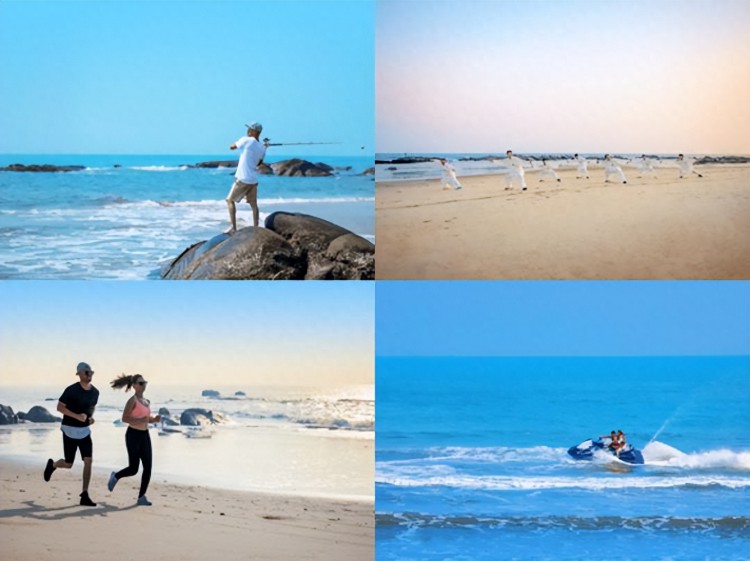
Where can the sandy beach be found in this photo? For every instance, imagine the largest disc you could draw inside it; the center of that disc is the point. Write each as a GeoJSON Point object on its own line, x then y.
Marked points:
{"type": "Point", "coordinates": [651, 228]}
{"type": "Point", "coordinates": [42, 521]}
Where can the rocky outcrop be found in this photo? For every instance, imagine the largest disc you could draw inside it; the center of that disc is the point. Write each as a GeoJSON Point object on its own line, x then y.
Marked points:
{"type": "Point", "coordinates": [329, 251]}
{"type": "Point", "coordinates": [41, 168]}
{"type": "Point", "coordinates": [291, 246]}
{"type": "Point", "coordinates": [196, 417]}
{"type": "Point", "coordinates": [723, 160]}
{"type": "Point", "coordinates": [300, 168]}
{"type": "Point", "coordinates": [217, 164]}
{"type": "Point", "coordinates": [406, 160]}
{"type": "Point", "coordinates": [210, 393]}
{"type": "Point", "coordinates": [240, 393]}
{"type": "Point", "coordinates": [369, 171]}
{"type": "Point", "coordinates": [39, 414]}
{"type": "Point", "coordinates": [7, 416]}
{"type": "Point", "coordinates": [249, 253]}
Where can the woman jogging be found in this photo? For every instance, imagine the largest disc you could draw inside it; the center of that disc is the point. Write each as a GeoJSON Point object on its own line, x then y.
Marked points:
{"type": "Point", "coordinates": [137, 414]}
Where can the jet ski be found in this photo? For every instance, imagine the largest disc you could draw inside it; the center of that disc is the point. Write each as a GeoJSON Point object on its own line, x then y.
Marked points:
{"type": "Point", "coordinates": [586, 450]}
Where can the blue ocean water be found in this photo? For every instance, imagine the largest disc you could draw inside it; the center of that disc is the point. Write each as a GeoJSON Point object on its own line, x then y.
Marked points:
{"type": "Point", "coordinates": [471, 458]}
{"type": "Point", "coordinates": [108, 222]}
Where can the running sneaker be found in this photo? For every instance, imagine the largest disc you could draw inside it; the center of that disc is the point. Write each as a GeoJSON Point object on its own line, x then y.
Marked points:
{"type": "Point", "coordinates": [143, 501]}
{"type": "Point", "coordinates": [85, 500]}
{"type": "Point", "coordinates": [112, 482]}
{"type": "Point", "coordinates": [49, 469]}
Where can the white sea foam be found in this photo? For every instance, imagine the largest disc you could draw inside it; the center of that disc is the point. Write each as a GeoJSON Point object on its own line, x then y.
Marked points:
{"type": "Point", "coordinates": [515, 483]}
{"type": "Point", "coordinates": [160, 168]}
{"type": "Point", "coordinates": [660, 454]}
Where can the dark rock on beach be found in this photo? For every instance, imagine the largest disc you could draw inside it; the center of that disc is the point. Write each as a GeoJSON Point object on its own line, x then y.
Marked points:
{"type": "Point", "coordinates": [292, 246]}
{"type": "Point", "coordinates": [41, 168]}
{"type": "Point", "coordinates": [196, 417]}
{"type": "Point", "coordinates": [7, 416]}
{"type": "Point", "coordinates": [210, 393]}
{"type": "Point", "coordinates": [39, 414]}
{"type": "Point", "coordinates": [723, 160]}
{"type": "Point", "coordinates": [240, 393]}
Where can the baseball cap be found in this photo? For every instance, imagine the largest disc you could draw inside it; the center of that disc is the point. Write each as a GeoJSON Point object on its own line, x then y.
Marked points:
{"type": "Point", "coordinates": [83, 366]}
{"type": "Point", "coordinates": [255, 126]}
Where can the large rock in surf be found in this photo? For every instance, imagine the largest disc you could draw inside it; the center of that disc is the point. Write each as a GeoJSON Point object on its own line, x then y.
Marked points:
{"type": "Point", "coordinates": [7, 416]}
{"type": "Point", "coordinates": [291, 246]}
{"type": "Point", "coordinates": [41, 168]}
{"type": "Point", "coordinates": [249, 253]}
{"type": "Point", "coordinates": [210, 393]}
{"type": "Point", "coordinates": [217, 164]}
{"type": "Point", "coordinates": [196, 417]}
{"type": "Point", "coordinates": [330, 251]}
{"type": "Point", "coordinates": [300, 168]}
{"type": "Point", "coordinates": [39, 414]}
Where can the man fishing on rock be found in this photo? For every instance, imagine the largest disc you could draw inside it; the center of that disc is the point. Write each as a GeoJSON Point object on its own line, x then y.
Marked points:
{"type": "Point", "coordinates": [245, 183]}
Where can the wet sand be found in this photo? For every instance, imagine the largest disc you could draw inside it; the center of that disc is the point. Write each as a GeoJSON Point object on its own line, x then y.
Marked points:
{"type": "Point", "coordinates": [42, 521]}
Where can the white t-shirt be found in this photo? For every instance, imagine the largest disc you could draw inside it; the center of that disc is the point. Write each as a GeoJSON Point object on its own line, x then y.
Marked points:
{"type": "Point", "coordinates": [251, 153]}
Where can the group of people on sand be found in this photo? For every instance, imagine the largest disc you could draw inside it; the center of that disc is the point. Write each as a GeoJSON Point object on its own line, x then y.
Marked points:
{"type": "Point", "coordinates": [612, 169]}
{"type": "Point", "coordinates": [617, 441]}
{"type": "Point", "coordinates": [77, 404]}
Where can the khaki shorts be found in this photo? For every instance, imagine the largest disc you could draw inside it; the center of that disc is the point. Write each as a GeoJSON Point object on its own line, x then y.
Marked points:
{"type": "Point", "coordinates": [241, 191]}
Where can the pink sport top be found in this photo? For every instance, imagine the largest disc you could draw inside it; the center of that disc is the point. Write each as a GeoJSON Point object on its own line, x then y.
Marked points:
{"type": "Point", "coordinates": [140, 410]}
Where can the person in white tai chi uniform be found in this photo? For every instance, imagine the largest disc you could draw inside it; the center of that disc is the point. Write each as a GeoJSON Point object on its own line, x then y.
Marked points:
{"type": "Point", "coordinates": [686, 166]}
{"type": "Point", "coordinates": [449, 175]}
{"type": "Point", "coordinates": [611, 167]}
{"type": "Point", "coordinates": [548, 171]}
{"type": "Point", "coordinates": [645, 166]}
{"type": "Point", "coordinates": [582, 167]}
{"type": "Point", "coordinates": [516, 171]}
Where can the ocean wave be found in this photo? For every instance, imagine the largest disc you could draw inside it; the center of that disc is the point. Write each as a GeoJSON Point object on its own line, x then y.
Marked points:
{"type": "Point", "coordinates": [659, 454]}
{"type": "Point", "coordinates": [525, 483]}
{"type": "Point", "coordinates": [121, 203]}
{"type": "Point", "coordinates": [727, 526]}
{"type": "Point", "coordinates": [160, 168]}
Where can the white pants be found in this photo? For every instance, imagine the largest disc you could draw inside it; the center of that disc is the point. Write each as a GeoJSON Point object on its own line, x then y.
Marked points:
{"type": "Point", "coordinates": [515, 174]}
{"type": "Point", "coordinates": [617, 172]}
{"type": "Point", "coordinates": [450, 179]}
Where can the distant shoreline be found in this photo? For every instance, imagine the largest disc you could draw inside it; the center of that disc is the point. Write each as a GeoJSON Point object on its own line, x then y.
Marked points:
{"type": "Point", "coordinates": [409, 158]}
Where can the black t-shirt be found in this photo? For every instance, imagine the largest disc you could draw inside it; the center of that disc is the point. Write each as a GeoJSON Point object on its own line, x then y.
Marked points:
{"type": "Point", "coordinates": [78, 400]}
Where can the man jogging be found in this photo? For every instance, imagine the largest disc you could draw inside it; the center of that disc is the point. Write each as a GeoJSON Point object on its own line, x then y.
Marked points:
{"type": "Point", "coordinates": [77, 404]}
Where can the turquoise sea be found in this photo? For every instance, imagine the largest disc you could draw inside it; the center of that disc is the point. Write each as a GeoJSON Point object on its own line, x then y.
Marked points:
{"type": "Point", "coordinates": [107, 222]}
{"type": "Point", "coordinates": [472, 463]}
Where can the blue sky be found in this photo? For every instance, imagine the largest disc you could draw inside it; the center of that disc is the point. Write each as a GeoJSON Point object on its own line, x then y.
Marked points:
{"type": "Point", "coordinates": [287, 333]}
{"type": "Point", "coordinates": [183, 77]}
{"type": "Point", "coordinates": [566, 318]}
{"type": "Point", "coordinates": [563, 76]}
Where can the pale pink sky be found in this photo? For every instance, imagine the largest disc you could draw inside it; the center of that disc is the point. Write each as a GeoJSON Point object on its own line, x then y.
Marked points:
{"type": "Point", "coordinates": [567, 76]}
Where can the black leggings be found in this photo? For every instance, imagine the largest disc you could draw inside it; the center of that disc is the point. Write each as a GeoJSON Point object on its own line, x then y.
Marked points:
{"type": "Point", "coordinates": [138, 443]}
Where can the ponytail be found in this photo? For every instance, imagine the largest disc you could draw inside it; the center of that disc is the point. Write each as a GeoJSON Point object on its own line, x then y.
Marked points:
{"type": "Point", "coordinates": [124, 380]}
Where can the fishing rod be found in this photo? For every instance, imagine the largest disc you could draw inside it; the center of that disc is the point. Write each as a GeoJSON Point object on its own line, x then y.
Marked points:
{"type": "Point", "coordinates": [267, 142]}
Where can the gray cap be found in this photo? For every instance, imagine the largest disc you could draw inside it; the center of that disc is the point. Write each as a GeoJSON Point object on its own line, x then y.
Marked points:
{"type": "Point", "coordinates": [255, 126]}
{"type": "Point", "coordinates": [83, 367]}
